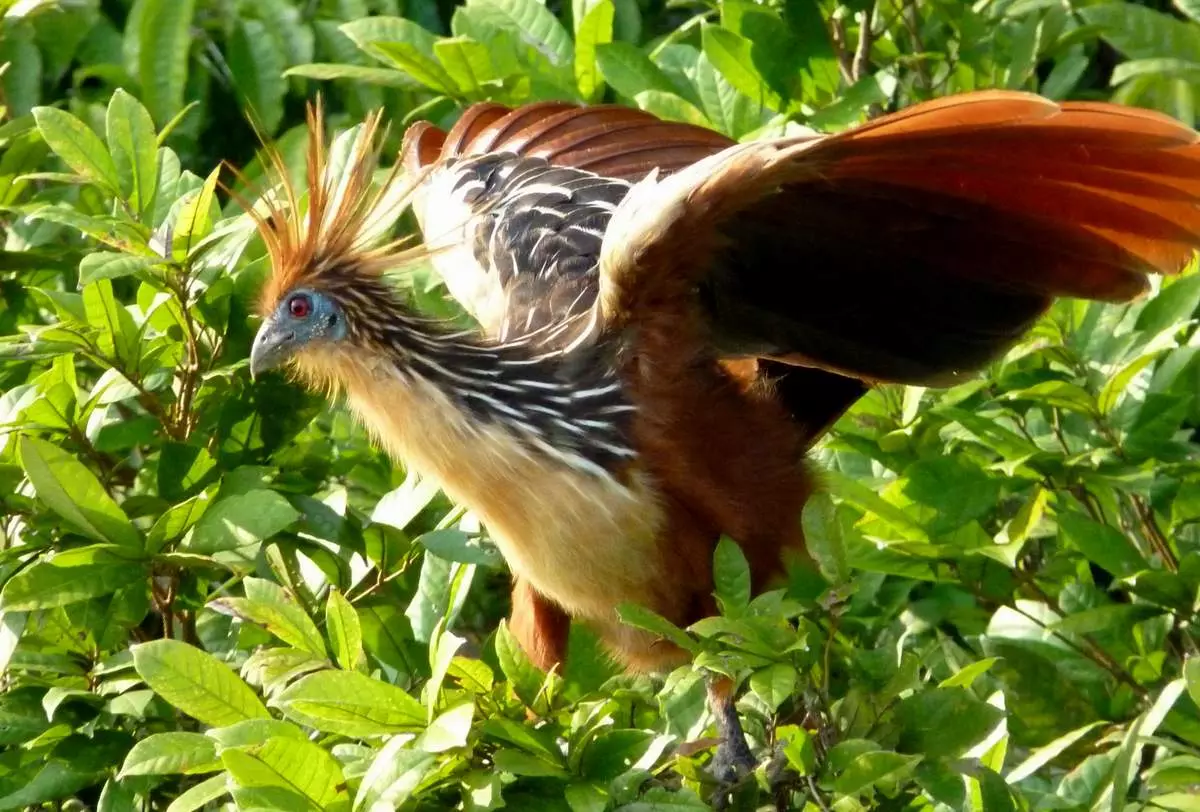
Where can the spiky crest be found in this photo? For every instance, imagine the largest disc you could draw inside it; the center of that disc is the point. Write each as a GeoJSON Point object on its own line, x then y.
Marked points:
{"type": "Point", "coordinates": [337, 240]}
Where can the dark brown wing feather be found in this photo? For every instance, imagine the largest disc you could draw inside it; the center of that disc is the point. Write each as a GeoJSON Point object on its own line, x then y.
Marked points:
{"type": "Point", "coordinates": [922, 245]}
{"type": "Point", "coordinates": [609, 140]}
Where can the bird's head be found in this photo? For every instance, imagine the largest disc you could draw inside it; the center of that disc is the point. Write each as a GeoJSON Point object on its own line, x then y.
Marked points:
{"type": "Point", "coordinates": [304, 318]}
{"type": "Point", "coordinates": [328, 246]}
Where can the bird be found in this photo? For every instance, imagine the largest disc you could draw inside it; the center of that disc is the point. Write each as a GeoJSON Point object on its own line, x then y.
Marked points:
{"type": "Point", "coordinates": [665, 320]}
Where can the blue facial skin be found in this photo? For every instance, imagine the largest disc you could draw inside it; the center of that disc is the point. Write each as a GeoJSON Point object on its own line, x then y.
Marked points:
{"type": "Point", "coordinates": [303, 316]}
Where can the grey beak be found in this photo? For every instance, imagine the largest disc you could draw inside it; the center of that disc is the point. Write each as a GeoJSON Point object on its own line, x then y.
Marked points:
{"type": "Point", "coordinates": [272, 346]}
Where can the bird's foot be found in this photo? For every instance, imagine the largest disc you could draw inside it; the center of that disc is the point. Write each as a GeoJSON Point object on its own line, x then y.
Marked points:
{"type": "Point", "coordinates": [732, 761]}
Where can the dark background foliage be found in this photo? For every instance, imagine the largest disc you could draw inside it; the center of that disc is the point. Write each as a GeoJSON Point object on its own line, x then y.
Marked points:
{"type": "Point", "coordinates": [217, 594]}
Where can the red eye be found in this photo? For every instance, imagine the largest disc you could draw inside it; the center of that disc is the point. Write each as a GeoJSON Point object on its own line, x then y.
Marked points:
{"type": "Point", "coordinates": [300, 306]}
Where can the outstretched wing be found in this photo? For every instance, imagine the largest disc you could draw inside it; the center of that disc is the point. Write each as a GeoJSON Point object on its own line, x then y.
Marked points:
{"type": "Point", "coordinates": [516, 202]}
{"type": "Point", "coordinates": [916, 247]}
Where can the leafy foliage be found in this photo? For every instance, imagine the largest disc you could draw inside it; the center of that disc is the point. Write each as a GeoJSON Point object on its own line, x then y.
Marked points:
{"type": "Point", "coordinates": [217, 593]}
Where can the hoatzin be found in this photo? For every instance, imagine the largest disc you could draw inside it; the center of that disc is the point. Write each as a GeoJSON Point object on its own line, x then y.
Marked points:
{"type": "Point", "coordinates": [668, 319]}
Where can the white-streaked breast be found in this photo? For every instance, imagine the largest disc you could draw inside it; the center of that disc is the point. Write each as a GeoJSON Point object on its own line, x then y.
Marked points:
{"type": "Point", "coordinates": [585, 540]}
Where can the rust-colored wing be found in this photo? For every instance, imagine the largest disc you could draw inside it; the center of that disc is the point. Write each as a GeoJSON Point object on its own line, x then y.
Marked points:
{"type": "Point", "coordinates": [916, 247]}
{"type": "Point", "coordinates": [513, 204]}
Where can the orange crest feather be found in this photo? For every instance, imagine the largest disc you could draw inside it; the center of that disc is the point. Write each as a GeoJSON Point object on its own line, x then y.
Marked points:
{"type": "Point", "coordinates": [346, 215]}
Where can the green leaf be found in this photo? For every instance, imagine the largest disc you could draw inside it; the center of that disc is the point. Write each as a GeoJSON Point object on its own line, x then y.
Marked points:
{"type": "Point", "coordinates": [170, 753]}
{"type": "Point", "coordinates": [345, 632]}
{"type": "Point", "coordinates": [164, 37]}
{"type": "Point", "coordinates": [613, 753]}
{"type": "Point", "coordinates": [175, 521]}
{"type": "Point", "coordinates": [535, 24]}
{"type": "Point", "coordinates": [197, 214]}
{"type": "Point", "coordinates": [731, 578]}
{"type": "Point", "coordinates": [455, 545]}
{"type": "Point", "coordinates": [270, 606]}
{"type": "Point", "coordinates": [425, 69]}
{"type": "Point", "coordinates": [199, 795]}
{"type": "Point", "coordinates": [1103, 545]}
{"type": "Point", "coordinates": [774, 684]}
{"type": "Point", "coordinates": [670, 107]}
{"type": "Point", "coordinates": [111, 265]}
{"type": "Point", "coordinates": [730, 54]}
{"type": "Point", "coordinates": [1044, 755]}
{"type": "Point", "coordinates": [257, 62]}
{"type": "Point", "coordinates": [71, 576]}
{"type": "Point", "coordinates": [240, 521]}
{"type": "Point", "coordinates": [78, 146]}
{"type": "Point", "coordinates": [394, 775]}
{"type": "Point", "coordinates": [596, 29]}
{"type": "Point", "coordinates": [629, 71]}
{"type": "Point", "coordinates": [523, 676]}
{"type": "Point", "coordinates": [872, 769]}
{"type": "Point", "coordinates": [468, 63]}
{"type": "Point", "coordinates": [196, 683]}
{"type": "Point", "coordinates": [294, 764]}
{"type": "Point", "coordinates": [350, 704]}
{"type": "Point", "coordinates": [327, 71]}
{"type": "Point", "coordinates": [71, 491]}
{"type": "Point", "coordinates": [944, 722]}
{"type": "Point", "coordinates": [823, 537]}
{"type": "Point", "coordinates": [129, 130]}
{"type": "Point", "coordinates": [449, 730]}
{"type": "Point", "coordinates": [642, 618]}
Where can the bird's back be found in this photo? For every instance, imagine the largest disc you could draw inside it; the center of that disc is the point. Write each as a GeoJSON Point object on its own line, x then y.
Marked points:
{"type": "Point", "coordinates": [517, 239]}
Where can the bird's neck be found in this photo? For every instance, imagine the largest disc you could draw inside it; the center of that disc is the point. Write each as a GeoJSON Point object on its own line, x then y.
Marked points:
{"type": "Point", "coordinates": [565, 401]}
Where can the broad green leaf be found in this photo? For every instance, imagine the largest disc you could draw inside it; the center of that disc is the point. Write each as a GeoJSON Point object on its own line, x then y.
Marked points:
{"type": "Point", "coordinates": [594, 30]}
{"type": "Point", "coordinates": [294, 764]}
{"type": "Point", "coordinates": [78, 146]}
{"type": "Point", "coordinates": [629, 71]}
{"type": "Point", "coordinates": [240, 521]}
{"type": "Point", "coordinates": [350, 704]}
{"type": "Point", "coordinates": [534, 23]}
{"type": "Point", "coordinates": [425, 69]}
{"type": "Point", "coordinates": [345, 632]}
{"type": "Point", "coordinates": [670, 107]}
{"type": "Point", "coordinates": [823, 537]}
{"type": "Point", "coordinates": [199, 795]}
{"type": "Point", "coordinates": [176, 520]}
{"type": "Point", "coordinates": [871, 769]}
{"type": "Point", "coordinates": [71, 576]}
{"type": "Point", "coordinates": [730, 54]}
{"type": "Point", "coordinates": [170, 753]}
{"type": "Point", "coordinates": [384, 77]}
{"type": "Point", "coordinates": [448, 730]}
{"type": "Point", "coordinates": [254, 732]}
{"type": "Point", "coordinates": [164, 36]}
{"type": "Point", "coordinates": [71, 491]}
{"type": "Point", "coordinates": [394, 775]}
{"type": "Point", "coordinates": [110, 265]}
{"type": "Point", "coordinates": [1102, 544]}
{"type": "Point", "coordinates": [469, 64]}
{"type": "Point", "coordinates": [613, 753]}
{"type": "Point", "coordinates": [270, 606]}
{"type": "Point", "coordinates": [523, 676]}
{"type": "Point", "coordinates": [642, 618]}
{"type": "Point", "coordinates": [1044, 755]}
{"type": "Point", "coordinates": [257, 62]}
{"type": "Point", "coordinates": [774, 684]}
{"type": "Point", "coordinates": [196, 683]}
{"type": "Point", "coordinates": [129, 130]}
{"type": "Point", "coordinates": [731, 578]}
{"type": "Point", "coordinates": [944, 722]}
{"type": "Point", "coordinates": [455, 545]}
{"type": "Point", "coordinates": [197, 215]}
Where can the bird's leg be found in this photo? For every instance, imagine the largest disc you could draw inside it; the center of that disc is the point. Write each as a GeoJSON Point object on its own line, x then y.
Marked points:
{"type": "Point", "coordinates": [540, 626]}
{"type": "Point", "coordinates": [733, 758]}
